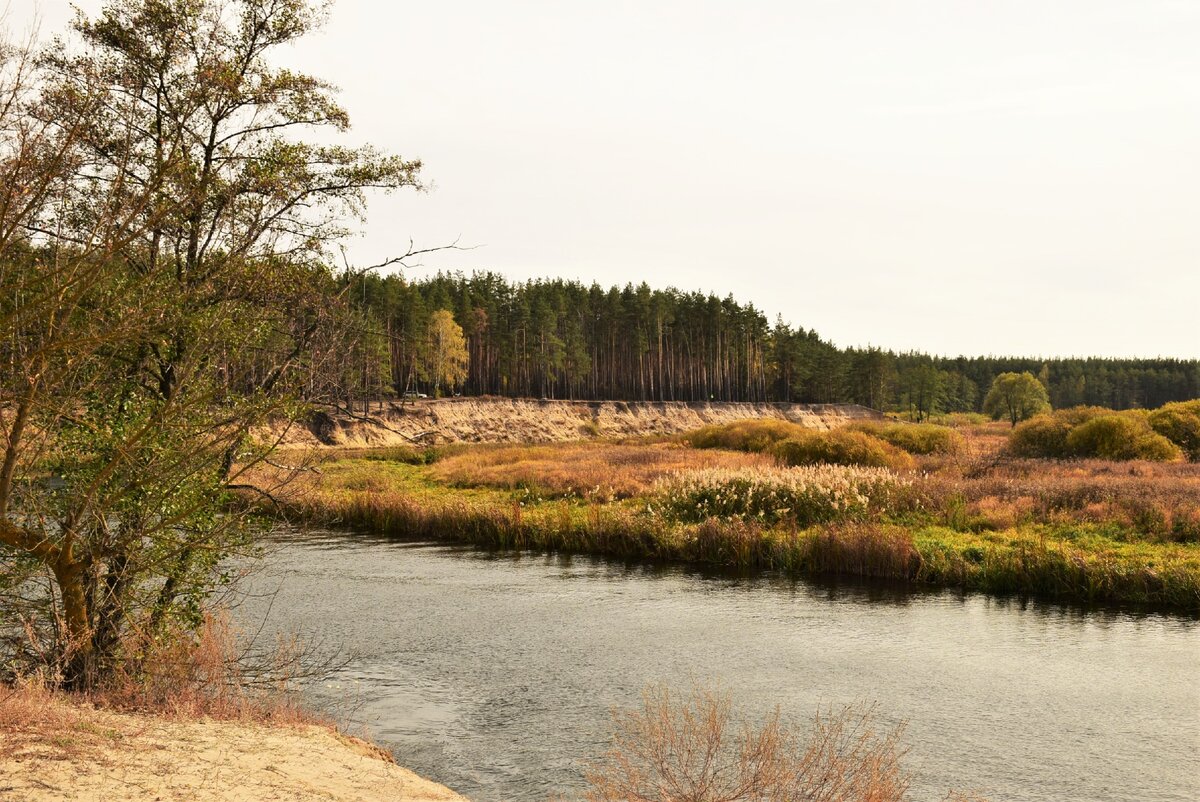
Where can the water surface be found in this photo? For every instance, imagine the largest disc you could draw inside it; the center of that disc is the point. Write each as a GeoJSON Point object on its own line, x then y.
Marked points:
{"type": "Point", "coordinates": [495, 674]}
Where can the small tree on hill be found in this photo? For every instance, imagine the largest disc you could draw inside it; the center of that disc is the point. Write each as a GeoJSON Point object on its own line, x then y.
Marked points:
{"type": "Point", "coordinates": [1016, 396]}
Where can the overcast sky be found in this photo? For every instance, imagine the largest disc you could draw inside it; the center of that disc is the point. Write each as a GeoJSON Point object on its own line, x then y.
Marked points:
{"type": "Point", "coordinates": [954, 177]}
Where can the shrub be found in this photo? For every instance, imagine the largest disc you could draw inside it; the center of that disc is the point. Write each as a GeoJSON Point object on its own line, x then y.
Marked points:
{"type": "Point", "coordinates": [840, 447]}
{"type": "Point", "coordinates": [806, 495]}
{"type": "Point", "coordinates": [692, 747]}
{"type": "Point", "coordinates": [1073, 416]}
{"type": "Point", "coordinates": [1179, 422]}
{"type": "Point", "coordinates": [915, 438]}
{"type": "Point", "coordinates": [1121, 437]}
{"type": "Point", "coordinates": [744, 435]}
{"type": "Point", "coordinates": [1043, 436]}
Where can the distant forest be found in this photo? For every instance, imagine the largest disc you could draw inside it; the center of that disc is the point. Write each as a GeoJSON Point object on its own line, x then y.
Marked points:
{"type": "Point", "coordinates": [566, 340]}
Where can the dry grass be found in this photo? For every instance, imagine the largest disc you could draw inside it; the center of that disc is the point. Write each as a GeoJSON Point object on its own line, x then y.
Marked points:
{"type": "Point", "coordinates": [208, 673]}
{"type": "Point", "coordinates": [1158, 501]}
{"type": "Point", "coordinates": [594, 471]}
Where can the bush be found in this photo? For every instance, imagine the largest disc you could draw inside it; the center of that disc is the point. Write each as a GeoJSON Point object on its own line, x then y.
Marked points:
{"type": "Point", "coordinates": [840, 447]}
{"type": "Point", "coordinates": [1121, 437]}
{"type": "Point", "coordinates": [744, 435]}
{"type": "Point", "coordinates": [1073, 416]}
{"type": "Point", "coordinates": [805, 496]}
{"type": "Point", "coordinates": [692, 747]}
{"type": "Point", "coordinates": [1179, 422]}
{"type": "Point", "coordinates": [1044, 436]}
{"type": "Point", "coordinates": [915, 438]}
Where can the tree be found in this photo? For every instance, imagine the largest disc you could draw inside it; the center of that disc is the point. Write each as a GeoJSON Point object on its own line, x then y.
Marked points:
{"type": "Point", "coordinates": [163, 276]}
{"type": "Point", "coordinates": [924, 390]}
{"type": "Point", "coordinates": [1016, 396]}
{"type": "Point", "coordinates": [446, 354]}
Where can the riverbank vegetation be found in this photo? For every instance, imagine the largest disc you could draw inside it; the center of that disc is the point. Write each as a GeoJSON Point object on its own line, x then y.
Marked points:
{"type": "Point", "coordinates": [967, 515]}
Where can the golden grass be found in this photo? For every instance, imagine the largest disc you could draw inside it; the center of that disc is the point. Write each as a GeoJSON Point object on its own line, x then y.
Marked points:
{"type": "Point", "coordinates": [595, 471]}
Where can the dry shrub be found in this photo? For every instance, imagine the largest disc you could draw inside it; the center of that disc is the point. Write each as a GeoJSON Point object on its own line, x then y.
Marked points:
{"type": "Point", "coordinates": [599, 471]}
{"type": "Point", "coordinates": [693, 749]}
{"type": "Point", "coordinates": [841, 447]}
{"type": "Point", "coordinates": [211, 673]}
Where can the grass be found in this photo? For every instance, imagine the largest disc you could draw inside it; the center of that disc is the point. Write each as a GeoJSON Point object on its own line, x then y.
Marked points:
{"type": "Point", "coordinates": [1090, 531]}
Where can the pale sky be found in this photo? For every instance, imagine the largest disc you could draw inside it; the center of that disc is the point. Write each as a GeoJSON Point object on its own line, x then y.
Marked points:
{"type": "Point", "coordinates": [955, 177]}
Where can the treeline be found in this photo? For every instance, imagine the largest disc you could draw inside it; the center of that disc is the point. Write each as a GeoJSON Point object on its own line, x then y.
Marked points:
{"type": "Point", "coordinates": [564, 339]}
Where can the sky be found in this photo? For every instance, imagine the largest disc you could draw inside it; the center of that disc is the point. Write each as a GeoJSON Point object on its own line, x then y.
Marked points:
{"type": "Point", "coordinates": [951, 177]}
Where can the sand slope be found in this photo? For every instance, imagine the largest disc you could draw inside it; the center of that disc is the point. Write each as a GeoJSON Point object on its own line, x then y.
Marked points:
{"type": "Point", "coordinates": [522, 420]}
{"type": "Point", "coordinates": [102, 756]}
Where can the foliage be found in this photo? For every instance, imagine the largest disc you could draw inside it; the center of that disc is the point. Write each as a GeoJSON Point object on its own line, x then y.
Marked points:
{"type": "Point", "coordinates": [1094, 432]}
{"type": "Point", "coordinates": [1120, 437]}
{"type": "Point", "coordinates": [841, 447]}
{"type": "Point", "coordinates": [1017, 397]}
{"type": "Point", "coordinates": [1041, 436]}
{"type": "Point", "coordinates": [1179, 422]}
{"type": "Point", "coordinates": [803, 495]}
{"type": "Point", "coordinates": [915, 438]}
{"type": "Point", "coordinates": [162, 281]}
{"type": "Point", "coordinates": [753, 434]}
{"type": "Point", "coordinates": [446, 355]}
{"type": "Point", "coordinates": [564, 339]}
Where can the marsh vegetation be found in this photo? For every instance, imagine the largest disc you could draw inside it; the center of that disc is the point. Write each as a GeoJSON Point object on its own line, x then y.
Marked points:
{"type": "Point", "coordinates": [958, 509]}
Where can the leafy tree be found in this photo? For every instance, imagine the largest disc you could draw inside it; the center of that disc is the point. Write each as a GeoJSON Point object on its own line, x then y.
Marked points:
{"type": "Point", "coordinates": [446, 357]}
{"type": "Point", "coordinates": [924, 390]}
{"type": "Point", "coordinates": [1016, 396]}
{"type": "Point", "coordinates": [162, 275]}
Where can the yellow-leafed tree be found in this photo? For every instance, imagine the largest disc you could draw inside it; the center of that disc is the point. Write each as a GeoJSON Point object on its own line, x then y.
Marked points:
{"type": "Point", "coordinates": [446, 355]}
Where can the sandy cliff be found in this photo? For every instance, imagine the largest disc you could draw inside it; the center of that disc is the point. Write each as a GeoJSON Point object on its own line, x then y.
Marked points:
{"type": "Point", "coordinates": [506, 420]}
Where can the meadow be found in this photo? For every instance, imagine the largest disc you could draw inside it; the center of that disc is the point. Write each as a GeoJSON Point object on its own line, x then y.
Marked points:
{"type": "Point", "coordinates": [931, 505]}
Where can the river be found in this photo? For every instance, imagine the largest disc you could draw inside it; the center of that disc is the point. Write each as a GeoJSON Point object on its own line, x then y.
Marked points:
{"type": "Point", "coordinates": [495, 674]}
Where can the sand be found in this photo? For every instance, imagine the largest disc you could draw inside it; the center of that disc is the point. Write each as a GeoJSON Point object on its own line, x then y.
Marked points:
{"type": "Point", "coordinates": [101, 756]}
{"type": "Point", "coordinates": [519, 420]}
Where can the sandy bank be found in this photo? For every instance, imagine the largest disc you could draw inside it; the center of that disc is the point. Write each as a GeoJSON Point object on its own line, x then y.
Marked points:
{"type": "Point", "coordinates": [61, 751]}
{"type": "Point", "coordinates": [520, 420]}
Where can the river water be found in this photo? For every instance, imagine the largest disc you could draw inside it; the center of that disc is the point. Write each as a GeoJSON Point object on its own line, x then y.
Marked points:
{"type": "Point", "coordinates": [495, 674]}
